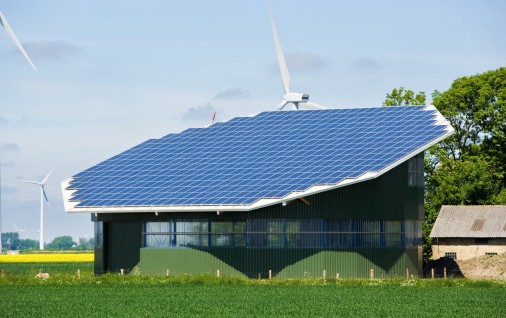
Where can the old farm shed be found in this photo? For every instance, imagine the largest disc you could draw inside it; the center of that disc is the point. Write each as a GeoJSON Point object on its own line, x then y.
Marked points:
{"type": "Point", "coordinates": [464, 232]}
{"type": "Point", "coordinates": [295, 192]}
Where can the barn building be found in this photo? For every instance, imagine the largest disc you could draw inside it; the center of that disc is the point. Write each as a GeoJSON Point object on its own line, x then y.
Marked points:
{"type": "Point", "coordinates": [464, 232]}
{"type": "Point", "coordinates": [294, 192]}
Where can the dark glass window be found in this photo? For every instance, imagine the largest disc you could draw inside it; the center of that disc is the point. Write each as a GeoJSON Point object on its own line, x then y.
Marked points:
{"type": "Point", "coordinates": [283, 233]}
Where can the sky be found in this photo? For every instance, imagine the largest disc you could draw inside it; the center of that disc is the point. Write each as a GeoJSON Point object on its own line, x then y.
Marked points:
{"type": "Point", "coordinates": [112, 74]}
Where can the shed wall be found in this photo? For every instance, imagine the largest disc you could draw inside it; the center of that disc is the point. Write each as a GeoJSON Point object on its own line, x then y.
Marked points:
{"type": "Point", "coordinates": [467, 248]}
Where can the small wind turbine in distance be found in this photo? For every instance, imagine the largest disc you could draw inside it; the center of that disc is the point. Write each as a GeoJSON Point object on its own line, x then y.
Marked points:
{"type": "Point", "coordinates": [11, 34]}
{"type": "Point", "coordinates": [18, 230]}
{"type": "Point", "coordinates": [42, 197]}
{"type": "Point", "coordinates": [290, 97]}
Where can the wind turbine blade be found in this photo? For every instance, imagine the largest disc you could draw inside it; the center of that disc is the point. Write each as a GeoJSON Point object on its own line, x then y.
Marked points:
{"type": "Point", "coordinates": [309, 105]}
{"type": "Point", "coordinates": [14, 39]}
{"type": "Point", "coordinates": [283, 69]}
{"type": "Point", "coordinates": [31, 182]}
{"type": "Point", "coordinates": [45, 195]}
{"type": "Point", "coordinates": [47, 176]}
{"type": "Point", "coordinates": [282, 104]}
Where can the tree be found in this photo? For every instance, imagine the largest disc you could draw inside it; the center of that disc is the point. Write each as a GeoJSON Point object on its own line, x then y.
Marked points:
{"type": "Point", "coordinates": [85, 244]}
{"type": "Point", "coordinates": [10, 240]}
{"type": "Point", "coordinates": [469, 166]}
{"type": "Point", "coordinates": [27, 244]}
{"type": "Point", "coordinates": [476, 108]}
{"type": "Point", "coordinates": [403, 97]}
{"type": "Point", "coordinates": [61, 243]}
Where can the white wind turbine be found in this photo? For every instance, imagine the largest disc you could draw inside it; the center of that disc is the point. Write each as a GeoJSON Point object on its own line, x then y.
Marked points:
{"type": "Point", "coordinates": [14, 39]}
{"type": "Point", "coordinates": [42, 197]}
{"type": "Point", "coordinates": [18, 230]}
{"type": "Point", "coordinates": [290, 97]}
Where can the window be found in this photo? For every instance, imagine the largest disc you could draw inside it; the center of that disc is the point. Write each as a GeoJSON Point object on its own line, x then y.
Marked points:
{"type": "Point", "coordinates": [477, 225]}
{"type": "Point", "coordinates": [282, 233]}
{"type": "Point", "coordinates": [230, 234]}
{"type": "Point", "coordinates": [451, 255]}
{"type": "Point", "coordinates": [415, 172]}
{"type": "Point", "coordinates": [490, 253]}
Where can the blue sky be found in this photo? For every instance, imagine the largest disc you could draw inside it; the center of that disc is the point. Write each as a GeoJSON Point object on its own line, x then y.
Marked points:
{"type": "Point", "coordinates": [112, 74]}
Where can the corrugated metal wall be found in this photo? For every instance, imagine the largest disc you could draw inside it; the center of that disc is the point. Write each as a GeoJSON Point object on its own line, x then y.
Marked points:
{"type": "Point", "coordinates": [386, 198]}
{"type": "Point", "coordinates": [283, 262]}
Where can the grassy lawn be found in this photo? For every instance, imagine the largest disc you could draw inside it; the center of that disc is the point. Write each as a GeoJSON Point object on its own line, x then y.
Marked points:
{"type": "Point", "coordinates": [63, 295]}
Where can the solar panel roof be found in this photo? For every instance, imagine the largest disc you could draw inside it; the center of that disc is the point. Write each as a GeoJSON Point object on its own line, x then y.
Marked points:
{"type": "Point", "coordinates": [270, 156]}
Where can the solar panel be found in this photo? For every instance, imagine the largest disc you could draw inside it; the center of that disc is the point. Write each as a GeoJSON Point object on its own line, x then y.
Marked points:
{"type": "Point", "coordinates": [269, 155]}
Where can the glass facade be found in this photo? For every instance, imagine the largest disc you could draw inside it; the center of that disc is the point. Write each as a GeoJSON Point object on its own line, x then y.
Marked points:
{"type": "Point", "coordinates": [283, 233]}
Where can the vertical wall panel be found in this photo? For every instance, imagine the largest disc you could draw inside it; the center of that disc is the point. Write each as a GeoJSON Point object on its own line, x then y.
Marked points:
{"type": "Point", "coordinates": [123, 245]}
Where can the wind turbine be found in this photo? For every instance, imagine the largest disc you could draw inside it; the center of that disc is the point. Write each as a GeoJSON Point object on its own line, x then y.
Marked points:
{"type": "Point", "coordinates": [289, 97]}
{"type": "Point", "coordinates": [14, 39]}
{"type": "Point", "coordinates": [18, 230]}
{"type": "Point", "coordinates": [42, 197]}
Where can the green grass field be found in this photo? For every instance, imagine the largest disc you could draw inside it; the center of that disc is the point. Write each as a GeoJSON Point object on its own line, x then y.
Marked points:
{"type": "Point", "coordinates": [63, 295]}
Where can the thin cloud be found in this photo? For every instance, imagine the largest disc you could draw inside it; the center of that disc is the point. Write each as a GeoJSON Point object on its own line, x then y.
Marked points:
{"type": "Point", "coordinates": [232, 94]}
{"type": "Point", "coordinates": [52, 50]}
{"type": "Point", "coordinates": [305, 62]}
{"type": "Point", "coordinates": [199, 113]}
{"type": "Point", "coordinates": [367, 64]}
{"type": "Point", "coordinates": [3, 120]}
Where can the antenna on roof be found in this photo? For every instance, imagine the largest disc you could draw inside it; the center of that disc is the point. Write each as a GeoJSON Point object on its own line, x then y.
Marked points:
{"type": "Point", "coordinates": [289, 97]}
{"type": "Point", "coordinates": [14, 39]}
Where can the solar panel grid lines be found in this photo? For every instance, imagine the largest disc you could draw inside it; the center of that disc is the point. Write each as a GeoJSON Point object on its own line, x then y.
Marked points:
{"type": "Point", "coordinates": [266, 156]}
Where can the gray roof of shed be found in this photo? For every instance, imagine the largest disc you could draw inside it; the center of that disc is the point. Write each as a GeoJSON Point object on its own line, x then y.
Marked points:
{"type": "Point", "coordinates": [470, 221]}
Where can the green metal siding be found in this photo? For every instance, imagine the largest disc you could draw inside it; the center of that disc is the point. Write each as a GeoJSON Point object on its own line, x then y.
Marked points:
{"type": "Point", "coordinates": [100, 265]}
{"type": "Point", "coordinates": [385, 198]}
{"type": "Point", "coordinates": [283, 262]}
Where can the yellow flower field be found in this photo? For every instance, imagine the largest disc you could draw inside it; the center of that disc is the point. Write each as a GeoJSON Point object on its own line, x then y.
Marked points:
{"type": "Point", "coordinates": [46, 258]}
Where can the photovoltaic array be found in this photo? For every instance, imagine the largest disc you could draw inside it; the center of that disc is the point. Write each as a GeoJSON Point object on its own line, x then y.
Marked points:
{"type": "Point", "coordinates": [269, 155]}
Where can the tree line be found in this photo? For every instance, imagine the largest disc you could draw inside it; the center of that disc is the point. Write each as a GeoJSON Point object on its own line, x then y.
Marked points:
{"type": "Point", "coordinates": [469, 167]}
{"type": "Point", "coordinates": [12, 241]}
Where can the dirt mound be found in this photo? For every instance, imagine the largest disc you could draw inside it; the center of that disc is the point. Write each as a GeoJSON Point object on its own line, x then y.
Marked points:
{"type": "Point", "coordinates": [487, 266]}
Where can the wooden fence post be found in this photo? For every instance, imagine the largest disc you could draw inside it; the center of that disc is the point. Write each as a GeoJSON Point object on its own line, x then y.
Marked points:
{"type": "Point", "coordinates": [122, 271]}
{"type": "Point", "coordinates": [270, 273]}
{"type": "Point", "coordinates": [324, 275]}
{"type": "Point", "coordinates": [444, 272]}
{"type": "Point", "coordinates": [407, 273]}
{"type": "Point", "coordinates": [168, 273]}
{"type": "Point", "coordinates": [78, 274]}
{"type": "Point", "coordinates": [432, 273]}
{"type": "Point", "coordinates": [372, 273]}
{"type": "Point", "coordinates": [217, 273]}
{"type": "Point", "coordinates": [337, 275]}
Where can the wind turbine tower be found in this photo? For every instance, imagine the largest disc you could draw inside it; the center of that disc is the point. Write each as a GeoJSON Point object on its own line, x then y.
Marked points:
{"type": "Point", "coordinates": [42, 197]}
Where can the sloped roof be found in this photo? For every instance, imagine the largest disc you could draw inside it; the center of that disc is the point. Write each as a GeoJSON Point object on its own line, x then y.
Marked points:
{"type": "Point", "coordinates": [480, 221]}
{"type": "Point", "coordinates": [251, 162]}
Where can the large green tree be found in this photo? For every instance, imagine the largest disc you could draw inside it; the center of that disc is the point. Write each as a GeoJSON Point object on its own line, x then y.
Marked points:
{"type": "Point", "coordinates": [469, 167]}
{"type": "Point", "coordinates": [404, 97]}
{"type": "Point", "coordinates": [61, 243]}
